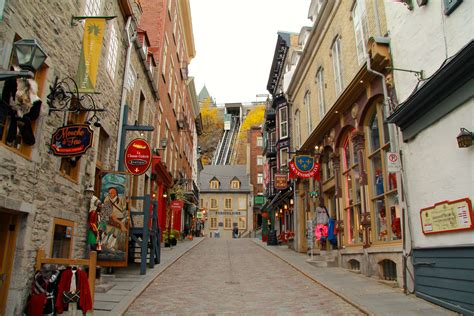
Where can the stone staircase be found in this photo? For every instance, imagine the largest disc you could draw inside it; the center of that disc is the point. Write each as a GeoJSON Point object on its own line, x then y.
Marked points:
{"type": "Point", "coordinates": [323, 259]}
{"type": "Point", "coordinates": [105, 283]}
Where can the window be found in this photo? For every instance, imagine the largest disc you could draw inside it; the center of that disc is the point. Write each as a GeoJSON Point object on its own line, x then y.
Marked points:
{"type": "Point", "coordinates": [242, 203]}
{"type": "Point", "coordinates": [320, 84]}
{"type": "Point", "coordinates": [242, 223]}
{"type": "Point", "coordinates": [228, 203]}
{"type": "Point", "coordinates": [131, 76]}
{"type": "Point", "coordinates": [214, 184]}
{"type": "Point", "coordinates": [259, 141]}
{"type": "Point", "coordinates": [144, 46]}
{"type": "Point", "coordinates": [283, 117]}
{"type": "Point", "coordinates": [228, 223]}
{"type": "Point", "coordinates": [63, 232]}
{"type": "Point", "coordinates": [260, 178]}
{"type": "Point", "coordinates": [297, 128]}
{"type": "Point", "coordinates": [359, 18]}
{"type": "Point", "coordinates": [235, 184]}
{"type": "Point", "coordinates": [92, 7]}
{"type": "Point", "coordinates": [337, 64]}
{"type": "Point", "coordinates": [112, 53]}
{"type": "Point", "coordinates": [16, 141]}
{"type": "Point", "coordinates": [307, 104]}
{"type": "Point", "coordinates": [103, 150]}
{"type": "Point", "coordinates": [165, 52]}
{"type": "Point", "coordinates": [352, 193]}
{"type": "Point", "coordinates": [283, 157]}
{"type": "Point", "coordinates": [213, 204]}
{"type": "Point", "coordinates": [383, 185]}
{"type": "Point", "coordinates": [327, 168]}
{"type": "Point", "coordinates": [259, 160]}
{"type": "Point", "coordinates": [175, 21]}
{"type": "Point", "coordinates": [213, 222]}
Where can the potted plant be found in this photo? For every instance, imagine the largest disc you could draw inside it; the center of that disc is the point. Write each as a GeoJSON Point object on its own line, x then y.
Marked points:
{"type": "Point", "coordinates": [171, 238]}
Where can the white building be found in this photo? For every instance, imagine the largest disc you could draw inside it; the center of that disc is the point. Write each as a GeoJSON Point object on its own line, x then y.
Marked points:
{"type": "Point", "coordinates": [436, 38]}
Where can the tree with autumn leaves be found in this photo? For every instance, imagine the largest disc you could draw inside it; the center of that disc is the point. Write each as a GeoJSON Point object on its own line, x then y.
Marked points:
{"type": "Point", "coordinates": [254, 118]}
{"type": "Point", "coordinates": [212, 129]}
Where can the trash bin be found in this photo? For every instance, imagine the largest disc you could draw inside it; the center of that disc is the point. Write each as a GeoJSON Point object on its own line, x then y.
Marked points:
{"type": "Point", "coordinates": [272, 238]}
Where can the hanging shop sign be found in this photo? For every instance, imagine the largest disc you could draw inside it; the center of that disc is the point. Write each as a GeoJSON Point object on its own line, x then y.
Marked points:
{"type": "Point", "coordinates": [176, 206]}
{"type": "Point", "coordinates": [71, 140]}
{"type": "Point", "coordinates": [86, 76]}
{"type": "Point", "coordinates": [138, 156]}
{"type": "Point", "coordinates": [447, 216]}
{"type": "Point", "coordinates": [281, 181]}
{"type": "Point", "coordinates": [304, 166]}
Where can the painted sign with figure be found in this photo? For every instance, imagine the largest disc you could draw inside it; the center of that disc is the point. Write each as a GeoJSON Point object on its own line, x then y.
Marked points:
{"type": "Point", "coordinates": [114, 219]}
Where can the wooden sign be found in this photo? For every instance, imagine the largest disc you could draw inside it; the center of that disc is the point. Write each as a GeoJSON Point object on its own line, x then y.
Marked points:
{"type": "Point", "coordinates": [138, 156]}
{"type": "Point", "coordinates": [446, 216]}
{"type": "Point", "coordinates": [281, 181]}
{"type": "Point", "coordinates": [71, 140]}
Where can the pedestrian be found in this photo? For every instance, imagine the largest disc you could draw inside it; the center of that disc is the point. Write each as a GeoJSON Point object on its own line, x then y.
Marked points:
{"type": "Point", "coordinates": [235, 232]}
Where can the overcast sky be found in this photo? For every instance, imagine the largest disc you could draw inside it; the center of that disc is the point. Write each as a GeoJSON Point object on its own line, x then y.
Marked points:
{"type": "Point", "coordinates": [235, 42]}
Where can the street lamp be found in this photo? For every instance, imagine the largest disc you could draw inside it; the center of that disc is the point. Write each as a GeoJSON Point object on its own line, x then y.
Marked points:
{"type": "Point", "coordinates": [465, 138]}
{"type": "Point", "coordinates": [30, 57]}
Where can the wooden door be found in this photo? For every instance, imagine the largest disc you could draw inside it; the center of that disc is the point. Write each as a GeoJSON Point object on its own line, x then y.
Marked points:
{"type": "Point", "coordinates": [8, 229]}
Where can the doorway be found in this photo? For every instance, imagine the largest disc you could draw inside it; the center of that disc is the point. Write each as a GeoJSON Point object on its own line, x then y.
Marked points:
{"type": "Point", "coordinates": [8, 229]}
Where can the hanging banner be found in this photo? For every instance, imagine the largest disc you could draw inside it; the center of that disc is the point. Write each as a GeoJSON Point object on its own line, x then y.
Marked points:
{"type": "Point", "coordinates": [86, 76]}
{"type": "Point", "coordinates": [304, 166]}
{"type": "Point", "coordinates": [138, 156]}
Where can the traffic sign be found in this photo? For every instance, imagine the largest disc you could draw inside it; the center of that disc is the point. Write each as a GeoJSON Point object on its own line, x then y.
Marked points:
{"type": "Point", "coordinates": [393, 162]}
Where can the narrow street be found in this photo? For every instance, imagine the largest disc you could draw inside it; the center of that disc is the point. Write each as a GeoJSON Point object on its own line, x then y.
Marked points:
{"type": "Point", "coordinates": [236, 277]}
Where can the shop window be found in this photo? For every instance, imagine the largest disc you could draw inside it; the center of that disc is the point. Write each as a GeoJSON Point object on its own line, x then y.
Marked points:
{"type": "Point", "coordinates": [228, 223]}
{"type": "Point", "coordinates": [63, 233]}
{"type": "Point", "coordinates": [352, 192]}
{"type": "Point", "coordinates": [327, 167]}
{"type": "Point", "coordinates": [213, 204]}
{"type": "Point", "coordinates": [383, 185]}
{"type": "Point", "coordinates": [388, 269]}
{"type": "Point", "coordinates": [213, 223]}
{"type": "Point", "coordinates": [354, 265]}
{"type": "Point", "coordinates": [242, 223]}
{"type": "Point", "coordinates": [16, 141]}
{"type": "Point", "coordinates": [228, 203]}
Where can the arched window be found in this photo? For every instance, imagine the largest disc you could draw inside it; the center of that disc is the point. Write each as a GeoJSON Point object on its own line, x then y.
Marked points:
{"type": "Point", "coordinates": [352, 192]}
{"type": "Point", "coordinates": [214, 184]}
{"type": "Point", "coordinates": [383, 185]}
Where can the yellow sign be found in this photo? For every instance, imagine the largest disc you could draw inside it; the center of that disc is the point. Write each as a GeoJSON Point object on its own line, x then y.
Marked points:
{"type": "Point", "coordinates": [447, 216]}
{"type": "Point", "coordinates": [86, 77]}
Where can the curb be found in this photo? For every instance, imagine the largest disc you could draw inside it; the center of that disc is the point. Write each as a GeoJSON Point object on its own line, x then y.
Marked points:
{"type": "Point", "coordinates": [345, 298]}
{"type": "Point", "coordinates": [123, 306]}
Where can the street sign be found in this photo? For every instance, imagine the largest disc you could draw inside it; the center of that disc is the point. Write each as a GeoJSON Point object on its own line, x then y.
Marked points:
{"type": "Point", "coordinates": [281, 181]}
{"type": "Point", "coordinates": [72, 140]}
{"type": "Point", "coordinates": [393, 162]}
{"type": "Point", "coordinates": [138, 156]}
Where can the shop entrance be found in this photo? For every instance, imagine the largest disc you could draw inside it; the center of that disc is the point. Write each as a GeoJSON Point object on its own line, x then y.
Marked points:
{"type": "Point", "coordinates": [8, 229]}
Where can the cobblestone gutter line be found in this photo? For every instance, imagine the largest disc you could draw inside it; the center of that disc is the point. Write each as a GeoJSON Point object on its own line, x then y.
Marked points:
{"type": "Point", "coordinates": [123, 306]}
{"type": "Point", "coordinates": [306, 274]}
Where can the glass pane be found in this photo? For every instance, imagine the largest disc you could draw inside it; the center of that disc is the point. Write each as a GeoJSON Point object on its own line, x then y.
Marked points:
{"type": "Point", "coordinates": [381, 221]}
{"type": "Point", "coordinates": [377, 174]}
{"type": "Point", "coordinates": [354, 155]}
{"type": "Point", "coordinates": [392, 181]}
{"type": "Point", "coordinates": [360, 234]}
{"type": "Point", "coordinates": [356, 177]}
{"type": "Point", "coordinates": [347, 155]}
{"type": "Point", "coordinates": [374, 134]}
{"type": "Point", "coordinates": [61, 241]}
{"type": "Point", "coordinates": [349, 189]}
{"type": "Point", "coordinates": [351, 227]}
{"type": "Point", "coordinates": [385, 133]}
{"type": "Point", "coordinates": [394, 216]}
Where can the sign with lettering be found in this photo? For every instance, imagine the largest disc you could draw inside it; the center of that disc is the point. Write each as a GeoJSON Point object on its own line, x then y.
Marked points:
{"type": "Point", "coordinates": [71, 140]}
{"type": "Point", "coordinates": [304, 166]}
{"type": "Point", "coordinates": [229, 213]}
{"type": "Point", "coordinates": [281, 181]}
{"type": "Point", "coordinates": [446, 216]}
{"type": "Point", "coordinates": [138, 156]}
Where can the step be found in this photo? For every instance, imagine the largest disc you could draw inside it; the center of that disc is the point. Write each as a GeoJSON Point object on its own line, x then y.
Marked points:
{"type": "Point", "coordinates": [104, 287]}
{"type": "Point", "coordinates": [323, 264]}
{"type": "Point", "coordinates": [107, 278]}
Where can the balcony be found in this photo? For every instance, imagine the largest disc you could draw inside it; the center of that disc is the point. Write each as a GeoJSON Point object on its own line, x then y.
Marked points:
{"type": "Point", "coordinates": [269, 150]}
{"type": "Point", "coordinates": [270, 114]}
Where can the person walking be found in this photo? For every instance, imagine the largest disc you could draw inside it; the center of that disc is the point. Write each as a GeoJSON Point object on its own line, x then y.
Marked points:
{"type": "Point", "coordinates": [235, 232]}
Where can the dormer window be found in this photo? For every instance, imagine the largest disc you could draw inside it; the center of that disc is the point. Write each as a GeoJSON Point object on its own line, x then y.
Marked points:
{"type": "Point", "coordinates": [144, 46]}
{"type": "Point", "coordinates": [235, 184]}
{"type": "Point", "coordinates": [151, 62]}
{"type": "Point", "coordinates": [214, 184]}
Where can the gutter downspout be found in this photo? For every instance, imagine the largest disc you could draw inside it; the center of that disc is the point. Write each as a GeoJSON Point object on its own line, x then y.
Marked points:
{"type": "Point", "coordinates": [130, 39]}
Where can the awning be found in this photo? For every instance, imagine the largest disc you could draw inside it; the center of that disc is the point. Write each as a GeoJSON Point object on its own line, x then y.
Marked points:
{"type": "Point", "coordinates": [280, 198]}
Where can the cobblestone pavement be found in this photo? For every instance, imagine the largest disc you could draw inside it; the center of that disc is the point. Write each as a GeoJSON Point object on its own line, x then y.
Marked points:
{"type": "Point", "coordinates": [235, 277]}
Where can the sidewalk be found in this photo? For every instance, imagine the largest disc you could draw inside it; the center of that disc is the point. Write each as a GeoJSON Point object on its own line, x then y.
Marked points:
{"type": "Point", "coordinates": [367, 294]}
{"type": "Point", "coordinates": [130, 284]}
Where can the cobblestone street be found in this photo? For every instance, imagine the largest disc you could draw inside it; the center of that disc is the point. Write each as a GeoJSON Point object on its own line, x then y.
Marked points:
{"type": "Point", "coordinates": [235, 277]}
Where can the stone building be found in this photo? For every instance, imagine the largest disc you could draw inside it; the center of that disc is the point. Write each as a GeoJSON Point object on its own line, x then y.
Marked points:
{"type": "Point", "coordinates": [225, 194]}
{"type": "Point", "coordinates": [339, 99]}
{"type": "Point", "coordinates": [172, 43]}
{"type": "Point", "coordinates": [435, 95]}
{"type": "Point", "coordinates": [42, 195]}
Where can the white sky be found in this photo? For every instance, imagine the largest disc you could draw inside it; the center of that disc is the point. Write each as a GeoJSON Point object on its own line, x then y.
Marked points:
{"type": "Point", "coordinates": [235, 41]}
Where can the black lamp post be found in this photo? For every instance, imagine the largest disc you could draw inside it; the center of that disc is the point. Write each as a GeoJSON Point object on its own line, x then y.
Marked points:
{"type": "Point", "coordinates": [30, 57]}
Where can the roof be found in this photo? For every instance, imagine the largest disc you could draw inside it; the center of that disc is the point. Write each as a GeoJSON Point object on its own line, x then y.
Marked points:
{"type": "Point", "coordinates": [224, 174]}
{"type": "Point", "coordinates": [203, 94]}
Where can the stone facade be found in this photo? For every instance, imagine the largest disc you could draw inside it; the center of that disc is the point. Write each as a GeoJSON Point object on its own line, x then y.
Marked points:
{"type": "Point", "coordinates": [32, 186]}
